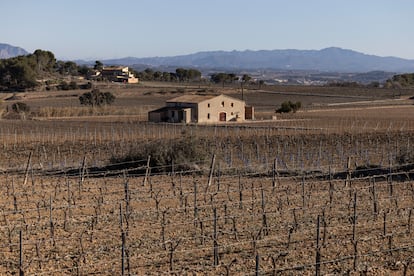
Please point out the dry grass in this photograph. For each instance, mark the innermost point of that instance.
(52, 112)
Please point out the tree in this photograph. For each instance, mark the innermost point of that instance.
(83, 70)
(146, 75)
(98, 65)
(289, 106)
(232, 77)
(108, 98)
(261, 82)
(193, 75)
(180, 72)
(96, 98)
(296, 106)
(223, 78)
(220, 77)
(45, 61)
(245, 79)
(73, 85)
(400, 81)
(21, 72)
(20, 75)
(67, 68)
(63, 85)
(187, 75)
(166, 76)
(20, 107)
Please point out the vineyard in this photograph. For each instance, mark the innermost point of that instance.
(241, 200)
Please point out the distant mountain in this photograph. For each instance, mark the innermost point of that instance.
(329, 60)
(9, 51)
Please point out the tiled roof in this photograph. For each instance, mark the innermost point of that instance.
(191, 99)
(113, 68)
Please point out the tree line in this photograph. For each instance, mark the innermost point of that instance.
(23, 72)
(180, 75)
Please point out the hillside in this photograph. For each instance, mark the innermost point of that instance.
(403, 80)
(9, 51)
(330, 59)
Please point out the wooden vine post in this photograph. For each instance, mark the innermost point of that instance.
(318, 249)
(21, 273)
(195, 203)
(215, 243)
(303, 194)
(264, 218)
(354, 240)
(127, 200)
(26, 174)
(274, 168)
(331, 187)
(147, 171)
(123, 240)
(210, 175)
(82, 174)
(390, 184)
(52, 225)
(374, 198)
(349, 174)
(123, 253)
(240, 192)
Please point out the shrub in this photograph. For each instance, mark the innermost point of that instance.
(96, 98)
(405, 157)
(108, 98)
(183, 152)
(63, 86)
(20, 107)
(73, 85)
(86, 86)
(289, 106)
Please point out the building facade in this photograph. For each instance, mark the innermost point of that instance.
(118, 74)
(201, 109)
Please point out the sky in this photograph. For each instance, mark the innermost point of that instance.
(103, 29)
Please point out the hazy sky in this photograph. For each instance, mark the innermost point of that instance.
(99, 29)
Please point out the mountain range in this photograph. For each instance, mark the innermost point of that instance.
(331, 59)
(9, 51)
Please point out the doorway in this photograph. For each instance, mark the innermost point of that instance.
(222, 116)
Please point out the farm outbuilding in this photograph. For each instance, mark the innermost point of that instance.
(202, 109)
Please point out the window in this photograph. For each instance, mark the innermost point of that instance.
(232, 113)
(232, 104)
(208, 115)
(222, 104)
(208, 105)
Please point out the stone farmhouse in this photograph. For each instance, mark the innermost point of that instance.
(202, 109)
